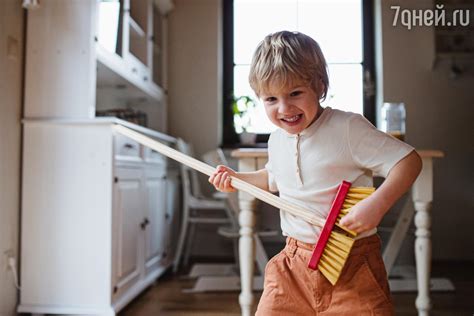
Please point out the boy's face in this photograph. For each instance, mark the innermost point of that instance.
(293, 108)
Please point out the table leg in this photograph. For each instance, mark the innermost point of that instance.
(422, 192)
(247, 254)
(247, 205)
(423, 256)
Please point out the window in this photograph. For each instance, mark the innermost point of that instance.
(337, 25)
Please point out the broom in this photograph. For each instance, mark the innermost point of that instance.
(335, 241)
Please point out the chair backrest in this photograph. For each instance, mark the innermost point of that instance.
(191, 186)
(217, 157)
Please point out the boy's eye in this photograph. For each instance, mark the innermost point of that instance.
(270, 99)
(295, 93)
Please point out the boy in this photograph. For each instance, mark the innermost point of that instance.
(311, 152)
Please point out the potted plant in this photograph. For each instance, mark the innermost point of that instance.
(242, 107)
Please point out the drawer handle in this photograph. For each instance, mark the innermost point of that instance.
(145, 223)
(128, 146)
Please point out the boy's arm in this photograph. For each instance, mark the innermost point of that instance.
(368, 213)
(222, 182)
(258, 178)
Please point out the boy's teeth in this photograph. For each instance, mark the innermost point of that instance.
(291, 119)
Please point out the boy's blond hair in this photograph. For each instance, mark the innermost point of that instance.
(289, 58)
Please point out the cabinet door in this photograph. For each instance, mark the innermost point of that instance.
(127, 226)
(171, 233)
(156, 217)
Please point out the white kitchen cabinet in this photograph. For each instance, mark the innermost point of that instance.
(156, 218)
(95, 55)
(132, 49)
(98, 209)
(141, 221)
(128, 210)
(142, 215)
(96, 219)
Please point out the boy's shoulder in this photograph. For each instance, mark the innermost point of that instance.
(335, 119)
(336, 114)
(345, 120)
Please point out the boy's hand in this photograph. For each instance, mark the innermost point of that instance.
(221, 179)
(362, 217)
(368, 213)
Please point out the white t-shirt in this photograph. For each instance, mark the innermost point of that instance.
(307, 168)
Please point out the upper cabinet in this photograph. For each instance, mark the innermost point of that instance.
(60, 72)
(130, 43)
(88, 58)
(131, 52)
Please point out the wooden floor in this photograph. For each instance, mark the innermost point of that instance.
(165, 297)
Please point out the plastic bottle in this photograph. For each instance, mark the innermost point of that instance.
(393, 119)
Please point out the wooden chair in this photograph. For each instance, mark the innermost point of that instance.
(225, 277)
(196, 208)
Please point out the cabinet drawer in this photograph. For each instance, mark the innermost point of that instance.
(151, 155)
(125, 148)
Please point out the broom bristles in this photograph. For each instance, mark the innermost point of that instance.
(330, 258)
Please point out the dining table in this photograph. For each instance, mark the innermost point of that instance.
(252, 159)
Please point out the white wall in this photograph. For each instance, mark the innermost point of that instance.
(195, 71)
(11, 51)
(440, 112)
(195, 88)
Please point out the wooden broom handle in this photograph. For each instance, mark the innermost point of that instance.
(260, 194)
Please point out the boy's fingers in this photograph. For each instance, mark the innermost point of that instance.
(223, 179)
(354, 225)
(211, 178)
(228, 183)
(217, 179)
(350, 223)
(221, 168)
(345, 221)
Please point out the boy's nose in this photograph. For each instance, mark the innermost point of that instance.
(284, 107)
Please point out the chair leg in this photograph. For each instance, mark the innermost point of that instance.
(181, 239)
(189, 243)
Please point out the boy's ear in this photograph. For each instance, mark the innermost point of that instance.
(320, 87)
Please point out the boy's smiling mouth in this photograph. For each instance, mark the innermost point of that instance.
(292, 119)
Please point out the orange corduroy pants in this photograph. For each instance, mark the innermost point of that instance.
(291, 288)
